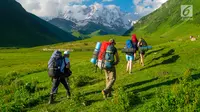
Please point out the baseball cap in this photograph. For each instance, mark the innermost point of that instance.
(66, 52)
(112, 41)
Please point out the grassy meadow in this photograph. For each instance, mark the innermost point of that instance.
(168, 82)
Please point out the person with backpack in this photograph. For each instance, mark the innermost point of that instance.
(142, 43)
(56, 70)
(111, 59)
(129, 55)
(135, 42)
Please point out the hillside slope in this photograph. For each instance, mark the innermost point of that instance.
(64, 24)
(28, 84)
(22, 29)
(167, 24)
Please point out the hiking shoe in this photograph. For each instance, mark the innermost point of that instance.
(68, 95)
(109, 94)
(51, 99)
(104, 94)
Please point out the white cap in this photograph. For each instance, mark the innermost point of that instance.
(66, 52)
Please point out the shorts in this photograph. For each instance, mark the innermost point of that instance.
(129, 57)
(142, 52)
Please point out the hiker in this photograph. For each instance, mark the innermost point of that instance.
(129, 56)
(135, 42)
(110, 72)
(141, 43)
(56, 66)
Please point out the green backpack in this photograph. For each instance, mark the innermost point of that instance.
(109, 57)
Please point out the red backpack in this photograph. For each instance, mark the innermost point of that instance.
(102, 51)
(134, 38)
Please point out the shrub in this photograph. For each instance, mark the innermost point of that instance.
(183, 96)
(17, 83)
(125, 100)
(31, 86)
(80, 81)
(79, 99)
(10, 77)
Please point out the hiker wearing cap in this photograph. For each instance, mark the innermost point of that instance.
(59, 73)
(67, 71)
(111, 59)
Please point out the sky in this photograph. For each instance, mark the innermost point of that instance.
(45, 8)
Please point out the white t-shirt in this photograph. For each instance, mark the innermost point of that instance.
(63, 64)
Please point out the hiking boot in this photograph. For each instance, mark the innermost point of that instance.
(104, 94)
(51, 99)
(68, 94)
(109, 94)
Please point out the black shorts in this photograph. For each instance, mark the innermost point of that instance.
(142, 52)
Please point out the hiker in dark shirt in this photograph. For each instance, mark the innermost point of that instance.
(141, 43)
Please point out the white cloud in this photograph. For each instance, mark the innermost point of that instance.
(107, 0)
(47, 7)
(144, 7)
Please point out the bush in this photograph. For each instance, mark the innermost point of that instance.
(79, 99)
(80, 81)
(125, 100)
(10, 77)
(183, 96)
(31, 86)
(122, 102)
(17, 83)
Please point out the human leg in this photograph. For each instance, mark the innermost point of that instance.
(55, 84)
(112, 78)
(66, 85)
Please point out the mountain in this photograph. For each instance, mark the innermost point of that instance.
(63, 24)
(166, 23)
(95, 17)
(98, 32)
(21, 29)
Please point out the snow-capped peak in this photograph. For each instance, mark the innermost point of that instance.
(109, 15)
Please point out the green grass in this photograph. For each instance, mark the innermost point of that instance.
(163, 65)
(168, 82)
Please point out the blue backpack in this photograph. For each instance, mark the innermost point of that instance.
(55, 63)
(129, 44)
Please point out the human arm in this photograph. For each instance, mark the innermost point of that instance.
(67, 62)
(68, 65)
(117, 58)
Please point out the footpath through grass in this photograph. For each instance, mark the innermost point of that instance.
(169, 81)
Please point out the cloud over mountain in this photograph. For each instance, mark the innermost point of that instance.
(144, 7)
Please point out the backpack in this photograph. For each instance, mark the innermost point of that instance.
(102, 51)
(134, 38)
(129, 48)
(129, 44)
(96, 53)
(101, 55)
(144, 43)
(135, 41)
(55, 63)
(109, 57)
